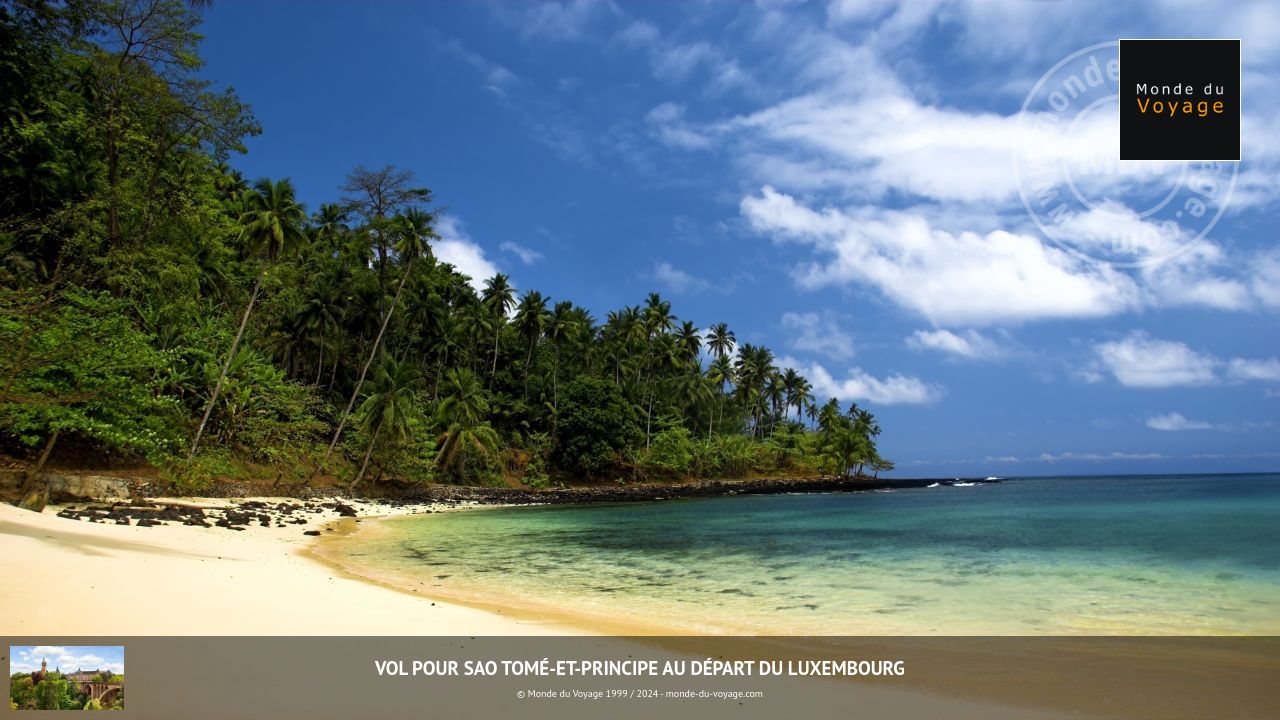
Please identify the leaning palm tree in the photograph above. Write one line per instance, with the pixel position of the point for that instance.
(413, 229)
(392, 407)
(463, 409)
(271, 227)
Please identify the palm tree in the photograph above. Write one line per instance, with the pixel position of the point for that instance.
(463, 410)
(690, 342)
(272, 227)
(499, 297)
(392, 407)
(720, 340)
(321, 316)
(330, 228)
(561, 327)
(720, 373)
(413, 230)
(775, 393)
(531, 318)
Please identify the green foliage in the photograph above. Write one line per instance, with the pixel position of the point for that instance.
(671, 453)
(152, 299)
(80, 366)
(594, 427)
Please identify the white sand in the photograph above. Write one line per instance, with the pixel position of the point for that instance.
(73, 577)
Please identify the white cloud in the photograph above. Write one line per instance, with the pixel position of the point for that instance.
(495, 77)
(560, 20)
(1049, 457)
(1174, 421)
(1244, 370)
(970, 344)
(528, 256)
(677, 280)
(669, 126)
(947, 277)
(820, 334)
(1141, 361)
(456, 248)
(860, 386)
(66, 659)
(1265, 279)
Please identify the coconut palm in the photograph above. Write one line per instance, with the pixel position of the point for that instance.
(690, 342)
(720, 373)
(391, 408)
(413, 229)
(463, 408)
(499, 297)
(562, 326)
(321, 318)
(720, 340)
(531, 318)
(270, 228)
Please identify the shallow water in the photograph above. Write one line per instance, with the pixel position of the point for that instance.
(1167, 555)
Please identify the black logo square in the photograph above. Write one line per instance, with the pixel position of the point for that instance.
(1179, 99)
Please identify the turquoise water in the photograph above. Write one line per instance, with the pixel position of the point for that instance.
(1162, 555)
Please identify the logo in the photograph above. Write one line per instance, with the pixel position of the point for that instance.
(1080, 192)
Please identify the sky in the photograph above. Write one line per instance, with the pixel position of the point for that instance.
(26, 658)
(844, 182)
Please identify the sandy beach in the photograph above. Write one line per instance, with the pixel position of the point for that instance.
(180, 580)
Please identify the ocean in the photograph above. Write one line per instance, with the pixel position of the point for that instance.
(1095, 555)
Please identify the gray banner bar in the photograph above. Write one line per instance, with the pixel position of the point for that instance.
(979, 678)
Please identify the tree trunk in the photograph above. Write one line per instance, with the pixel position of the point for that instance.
(493, 371)
(226, 366)
(320, 361)
(35, 494)
(528, 359)
(355, 392)
(368, 453)
(555, 389)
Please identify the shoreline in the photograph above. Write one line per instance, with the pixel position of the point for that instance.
(191, 580)
(93, 578)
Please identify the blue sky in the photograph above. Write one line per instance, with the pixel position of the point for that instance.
(68, 658)
(834, 180)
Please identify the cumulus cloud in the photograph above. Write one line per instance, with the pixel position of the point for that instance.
(860, 386)
(1174, 421)
(969, 344)
(1245, 370)
(68, 659)
(1141, 361)
(455, 247)
(949, 278)
(676, 280)
(819, 334)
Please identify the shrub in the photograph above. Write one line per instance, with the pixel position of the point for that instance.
(595, 426)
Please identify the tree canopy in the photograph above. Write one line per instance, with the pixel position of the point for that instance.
(158, 307)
